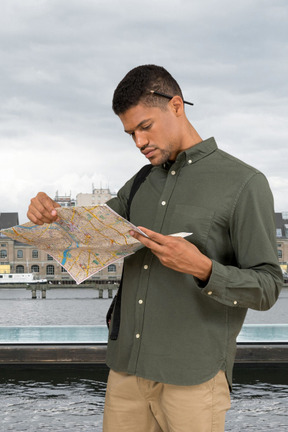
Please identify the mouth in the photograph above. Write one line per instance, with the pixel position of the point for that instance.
(148, 152)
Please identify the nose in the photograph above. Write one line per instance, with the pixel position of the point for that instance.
(141, 140)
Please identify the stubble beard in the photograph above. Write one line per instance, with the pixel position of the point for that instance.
(165, 155)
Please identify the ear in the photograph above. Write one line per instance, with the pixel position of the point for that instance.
(177, 105)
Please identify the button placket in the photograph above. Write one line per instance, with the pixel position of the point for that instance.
(139, 310)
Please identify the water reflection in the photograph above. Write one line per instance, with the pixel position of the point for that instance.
(59, 400)
(54, 400)
(259, 407)
(81, 306)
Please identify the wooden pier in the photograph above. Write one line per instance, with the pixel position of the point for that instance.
(40, 291)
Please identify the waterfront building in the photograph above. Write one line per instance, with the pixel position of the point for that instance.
(16, 257)
(6, 248)
(98, 196)
(65, 200)
(281, 222)
(8, 220)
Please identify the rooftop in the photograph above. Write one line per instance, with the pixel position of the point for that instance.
(8, 220)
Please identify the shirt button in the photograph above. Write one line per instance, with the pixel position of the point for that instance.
(235, 302)
(140, 301)
(190, 161)
(137, 336)
(163, 203)
(145, 267)
(173, 172)
(209, 293)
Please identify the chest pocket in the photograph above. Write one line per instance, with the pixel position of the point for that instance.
(193, 219)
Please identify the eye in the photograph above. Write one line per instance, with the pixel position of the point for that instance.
(147, 127)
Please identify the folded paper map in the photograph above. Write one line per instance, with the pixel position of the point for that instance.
(84, 240)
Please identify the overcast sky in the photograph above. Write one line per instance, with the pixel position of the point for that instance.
(62, 59)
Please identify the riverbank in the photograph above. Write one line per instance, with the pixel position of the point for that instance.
(59, 398)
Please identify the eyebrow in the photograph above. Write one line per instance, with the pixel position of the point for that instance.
(139, 125)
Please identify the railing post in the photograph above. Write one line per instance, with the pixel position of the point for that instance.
(34, 292)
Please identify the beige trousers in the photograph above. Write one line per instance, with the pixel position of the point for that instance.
(135, 404)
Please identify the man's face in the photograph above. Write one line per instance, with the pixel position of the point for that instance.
(154, 131)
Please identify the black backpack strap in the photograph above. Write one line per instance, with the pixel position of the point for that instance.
(115, 306)
(138, 180)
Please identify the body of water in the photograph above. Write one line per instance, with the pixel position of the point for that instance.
(81, 306)
(61, 399)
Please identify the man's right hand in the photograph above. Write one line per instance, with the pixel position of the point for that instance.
(42, 209)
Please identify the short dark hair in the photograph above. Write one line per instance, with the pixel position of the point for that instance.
(136, 87)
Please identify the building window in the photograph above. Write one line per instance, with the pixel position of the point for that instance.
(3, 253)
(49, 257)
(112, 268)
(278, 232)
(279, 253)
(34, 253)
(63, 270)
(50, 269)
(3, 244)
(19, 253)
(35, 268)
(19, 269)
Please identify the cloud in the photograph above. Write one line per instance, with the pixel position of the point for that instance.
(60, 63)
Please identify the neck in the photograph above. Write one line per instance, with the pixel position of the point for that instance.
(190, 136)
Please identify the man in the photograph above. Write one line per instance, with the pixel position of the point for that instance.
(183, 300)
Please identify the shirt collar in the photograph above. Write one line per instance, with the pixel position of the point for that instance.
(198, 151)
(193, 154)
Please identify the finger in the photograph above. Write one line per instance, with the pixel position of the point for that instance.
(48, 204)
(38, 218)
(42, 209)
(151, 244)
(156, 237)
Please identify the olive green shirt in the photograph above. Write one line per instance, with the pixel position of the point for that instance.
(174, 328)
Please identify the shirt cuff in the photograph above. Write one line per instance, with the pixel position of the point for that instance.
(216, 285)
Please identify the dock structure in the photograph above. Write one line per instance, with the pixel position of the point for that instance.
(92, 354)
(86, 345)
(40, 291)
(262, 353)
(52, 354)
